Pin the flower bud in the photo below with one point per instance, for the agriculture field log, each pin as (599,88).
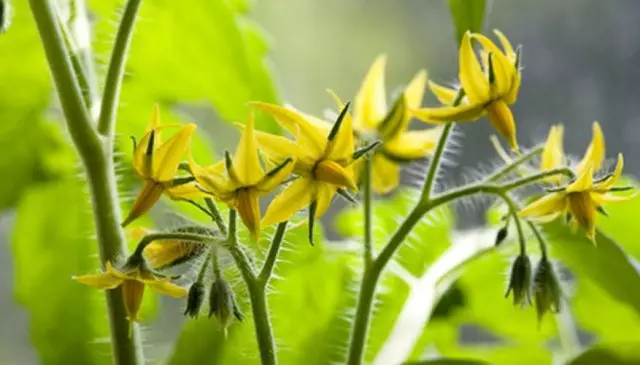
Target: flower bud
(222,303)
(501,235)
(195,299)
(546,289)
(520,280)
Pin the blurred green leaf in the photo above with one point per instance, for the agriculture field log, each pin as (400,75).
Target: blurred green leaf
(467,16)
(620,353)
(605,263)
(51,243)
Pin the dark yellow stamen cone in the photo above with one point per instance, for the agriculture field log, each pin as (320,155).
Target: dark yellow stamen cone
(249,210)
(501,119)
(151,192)
(333,173)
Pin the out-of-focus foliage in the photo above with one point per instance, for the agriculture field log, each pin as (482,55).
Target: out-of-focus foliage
(467,16)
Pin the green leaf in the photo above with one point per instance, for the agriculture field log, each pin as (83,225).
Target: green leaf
(467,16)
(32,147)
(51,243)
(605,263)
(619,353)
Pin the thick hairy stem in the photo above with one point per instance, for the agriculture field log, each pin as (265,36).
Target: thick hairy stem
(257,295)
(108,111)
(367,205)
(126,345)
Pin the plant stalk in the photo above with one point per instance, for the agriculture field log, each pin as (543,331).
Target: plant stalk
(98,165)
(367,205)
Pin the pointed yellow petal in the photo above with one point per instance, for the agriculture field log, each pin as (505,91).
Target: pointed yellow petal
(444,95)
(246,161)
(545,218)
(414,92)
(248,208)
(333,173)
(185,192)
(447,114)
(584,181)
(548,204)
(341,104)
(324,197)
(605,198)
(115,272)
(553,152)
(503,69)
(167,157)
(306,133)
(608,183)
(167,288)
(370,104)
(154,122)
(277,149)
(276,176)
(385,174)
(294,198)
(340,148)
(473,80)
(132,293)
(501,119)
(506,46)
(583,210)
(596,150)
(148,196)
(413,145)
(139,154)
(100,281)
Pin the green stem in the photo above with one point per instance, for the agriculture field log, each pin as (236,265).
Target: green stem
(513,211)
(205,265)
(215,263)
(98,165)
(113,83)
(368,202)
(216,216)
(506,170)
(272,255)
(257,295)
(435,162)
(541,241)
(531,179)
(372,275)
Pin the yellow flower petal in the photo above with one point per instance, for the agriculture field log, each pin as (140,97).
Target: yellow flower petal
(548,204)
(305,132)
(276,176)
(248,208)
(370,106)
(503,69)
(501,119)
(413,145)
(414,92)
(608,183)
(444,95)
(246,160)
(188,191)
(596,151)
(583,209)
(553,152)
(139,156)
(447,114)
(333,173)
(132,293)
(148,196)
(166,287)
(277,149)
(605,198)
(154,122)
(385,174)
(100,281)
(167,157)
(324,197)
(117,273)
(292,199)
(584,181)
(341,104)
(473,80)
(340,148)
(506,46)
(164,252)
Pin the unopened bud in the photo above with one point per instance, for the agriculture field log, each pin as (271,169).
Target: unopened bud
(520,280)
(194,300)
(222,303)
(501,235)
(546,289)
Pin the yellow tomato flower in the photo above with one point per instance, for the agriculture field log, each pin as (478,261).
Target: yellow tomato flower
(157,164)
(161,254)
(374,120)
(133,283)
(241,181)
(582,199)
(324,156)
(489,88)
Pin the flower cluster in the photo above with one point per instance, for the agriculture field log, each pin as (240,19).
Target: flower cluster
(318,160)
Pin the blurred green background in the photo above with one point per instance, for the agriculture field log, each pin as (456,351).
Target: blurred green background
(580,64)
